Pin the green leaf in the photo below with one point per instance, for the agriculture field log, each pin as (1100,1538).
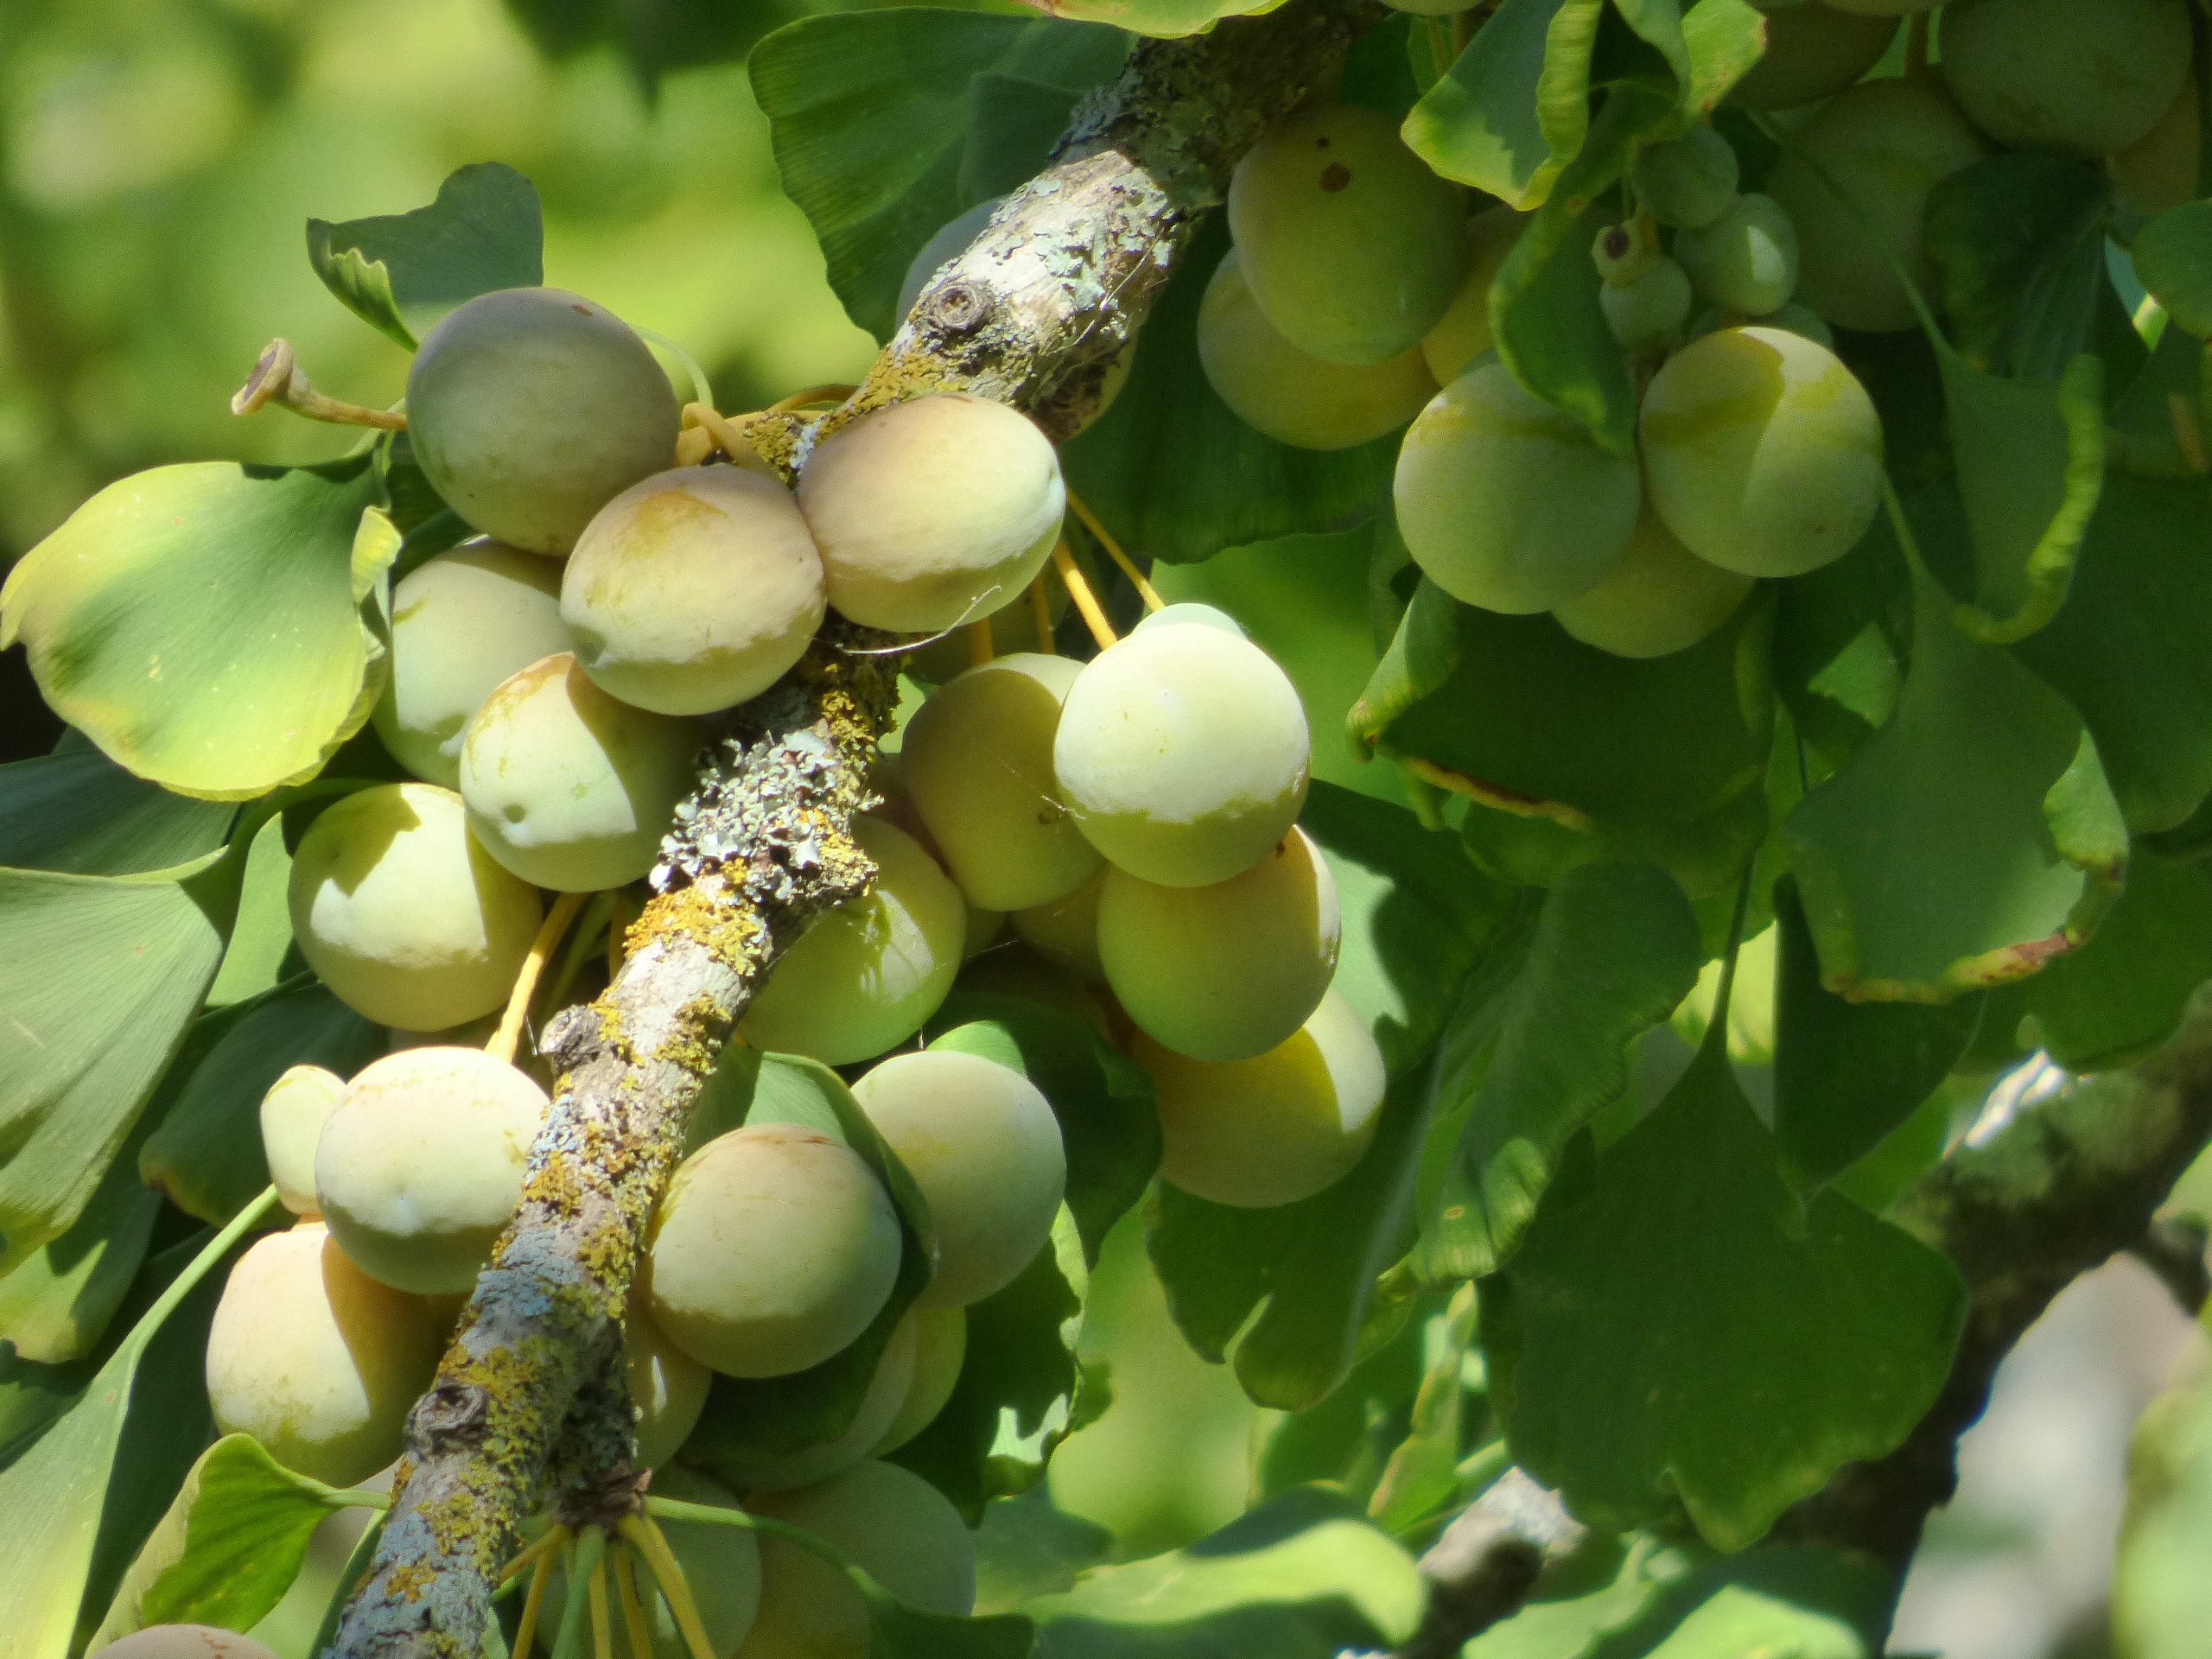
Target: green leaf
(1026,1547)
(54,1496)
(1971,840)
(2030,460)
(1102,1098)
(261,953)
(1614,948)
(1177,477)
(1599,1589)
(56,1304)
(2122,993)
(1740,1344)
(1845,1074)
(1515,107)
(2161,1596)
(229,1548)
(1422,1478)
(99,977)
(400,272)
(2173,257)
(210,627)
(2128,650)
(1301,1577)
(657,36)
(1803,1602)
(206,1156)
(75,809)
(1303,600)
(872,114)
(2000,233)
(1726,39)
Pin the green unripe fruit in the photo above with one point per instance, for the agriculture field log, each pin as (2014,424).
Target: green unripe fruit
(984,1147)
(940,1349)
(420,1166)
(316,1360)
(2160,170)
(1622,253)
(722,1568)
(293,1113)
(1813,51)
(667,1386)
(2080,79)
(1352,246)
(1885,146)
(950,239)
(570,788)
(1746,259)
(694,590)
(1463,333)
(898,1528)
(1184,754)
(529,410)
(752,1467)
(774,1248)
(1292,396)
(1686,181)
(1763,452)
(1662,598)
(401,912)
(184,1642)
(1507,503)
(461,623)
(1275,1129)
(932,513)
(1228,971)
(864,977)
(977,761)
(1647,314)
(1065,931)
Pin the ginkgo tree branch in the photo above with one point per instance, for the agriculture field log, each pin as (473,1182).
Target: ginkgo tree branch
(1034,314)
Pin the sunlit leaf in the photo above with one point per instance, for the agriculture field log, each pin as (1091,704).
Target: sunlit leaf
(1422,1477)
(400,272)
(211,626)
(1515,107)
(55,1304)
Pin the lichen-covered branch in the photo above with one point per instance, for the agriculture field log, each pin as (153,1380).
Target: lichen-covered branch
(527,1400)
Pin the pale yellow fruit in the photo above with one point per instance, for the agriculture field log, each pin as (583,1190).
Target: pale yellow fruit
(184,1642)
(462,622)
(1507,503)
(866,975)
(1275,1129)
(1290,395)
(569,787)
(403,915)
(1463,333)
(420,1168)
(314,1359)
(1855,180)
(754,1469)
(1065,931)
(984,1147)
(977,762)
(940,1349)
(1762,451)
(1813,50)
(693,590)
(667,1386)
(1352,246)
(1223,972)
(2084,79)
(1184,754)
(292,1116)
(898,1528)
(932,513)
(774,1248)
(1662,598)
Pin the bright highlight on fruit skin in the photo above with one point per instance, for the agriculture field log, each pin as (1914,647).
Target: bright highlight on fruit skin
(984,1147)
(773,1248)
(462,622)
(1184,754)
(1272,1130)
(420,1166)
(694,590)
(530,408)
(1352,246)
(403,914)
(1223,972)
(931,512)
(1763,452)
(1507,503)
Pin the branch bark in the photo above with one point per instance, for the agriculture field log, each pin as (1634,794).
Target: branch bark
(1488,1561)
(1034,314)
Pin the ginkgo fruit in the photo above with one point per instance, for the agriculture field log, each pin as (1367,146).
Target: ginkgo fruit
(1463,333)
(293,1112)
(1687,180)
(752,1466)
(1662,598)
(940,1349)
(667,1386)
(2060,75)
(183,1642)
(1746,259)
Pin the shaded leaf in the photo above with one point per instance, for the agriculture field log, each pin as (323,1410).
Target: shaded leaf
(657,36)
(1422,1478)
(211,626)
(1739,1344)
(1803,1602)
(400,272)
(1026,1547)
(261,953)
(1999,233)
(75,809)
(2122,993)
(2173,257)
(1162,18)
(1971,840)
(56,1304)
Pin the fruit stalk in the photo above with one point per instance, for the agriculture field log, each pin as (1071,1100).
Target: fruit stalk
(1034,315)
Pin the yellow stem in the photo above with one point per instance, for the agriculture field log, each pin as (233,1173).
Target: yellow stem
(1040,609)
(834,392)
(634,1606)
(550,1539)
(1079,586)
(535,1597)
(508,1037)
(980,649)
(602,1638)
(728,434)
(1089,519)
(640,1531)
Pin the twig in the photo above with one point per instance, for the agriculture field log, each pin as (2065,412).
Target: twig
(1483,1567)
